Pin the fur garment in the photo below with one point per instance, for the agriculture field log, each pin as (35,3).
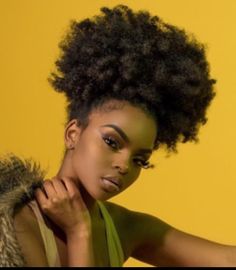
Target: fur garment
(18,180)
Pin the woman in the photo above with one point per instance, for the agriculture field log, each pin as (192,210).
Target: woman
(133,84)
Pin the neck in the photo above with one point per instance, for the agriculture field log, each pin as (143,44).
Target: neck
(66,171)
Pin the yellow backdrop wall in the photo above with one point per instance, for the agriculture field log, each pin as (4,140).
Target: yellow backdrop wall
(193,190)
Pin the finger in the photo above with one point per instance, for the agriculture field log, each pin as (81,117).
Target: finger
(49,188)
(74,193)
(70,186)
(59,187)
(40,197)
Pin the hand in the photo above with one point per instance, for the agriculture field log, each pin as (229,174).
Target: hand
(61,201)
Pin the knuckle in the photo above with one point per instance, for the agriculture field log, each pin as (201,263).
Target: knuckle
(55,179)
(47,182)
(59,200)
(54,200)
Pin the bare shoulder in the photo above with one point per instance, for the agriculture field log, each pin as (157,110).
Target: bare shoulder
(151,240)
(136,228)
(29,237)
(25,217)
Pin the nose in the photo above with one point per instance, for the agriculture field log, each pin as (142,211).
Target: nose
(122,165)
(122,169)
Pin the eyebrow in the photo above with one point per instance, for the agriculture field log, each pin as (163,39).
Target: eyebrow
(126,138)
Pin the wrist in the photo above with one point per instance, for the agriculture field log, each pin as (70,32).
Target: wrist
(79,231)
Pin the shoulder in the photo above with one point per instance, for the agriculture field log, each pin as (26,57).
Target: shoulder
(24,217)
(153,241)
(29,237)
(136,228)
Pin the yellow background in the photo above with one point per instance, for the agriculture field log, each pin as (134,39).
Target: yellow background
(193,190)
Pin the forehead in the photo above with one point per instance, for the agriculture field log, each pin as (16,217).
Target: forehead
(137,124)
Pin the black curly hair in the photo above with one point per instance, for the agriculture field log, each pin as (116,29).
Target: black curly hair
(136,57)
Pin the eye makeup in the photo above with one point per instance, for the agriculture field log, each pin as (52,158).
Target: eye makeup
(115,145)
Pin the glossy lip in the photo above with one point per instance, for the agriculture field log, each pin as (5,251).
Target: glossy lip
(114,180)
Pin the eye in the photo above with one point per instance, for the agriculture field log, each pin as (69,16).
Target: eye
(144,164)
(115,146)
(111,142)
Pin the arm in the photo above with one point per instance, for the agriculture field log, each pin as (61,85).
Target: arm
(80,248)
(63,204)
(160,244)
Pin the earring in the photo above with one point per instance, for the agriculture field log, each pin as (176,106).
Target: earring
(70,147)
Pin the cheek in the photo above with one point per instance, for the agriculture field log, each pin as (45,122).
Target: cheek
(91,156)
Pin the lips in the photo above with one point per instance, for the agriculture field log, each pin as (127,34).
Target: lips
(114,180)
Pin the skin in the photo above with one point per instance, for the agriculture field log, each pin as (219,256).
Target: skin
(69,200)
(92,158)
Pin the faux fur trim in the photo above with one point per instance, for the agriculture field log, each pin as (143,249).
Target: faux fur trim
(18,180)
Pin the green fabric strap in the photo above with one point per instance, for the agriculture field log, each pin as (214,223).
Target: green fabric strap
(114,246)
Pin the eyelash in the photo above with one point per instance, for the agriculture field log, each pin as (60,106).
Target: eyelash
(145,164)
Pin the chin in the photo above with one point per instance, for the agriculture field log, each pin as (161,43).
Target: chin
(101,195)
(98,192)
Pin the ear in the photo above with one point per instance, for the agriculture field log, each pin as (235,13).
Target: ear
(72,134)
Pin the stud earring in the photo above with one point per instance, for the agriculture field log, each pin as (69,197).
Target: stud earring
(70,147)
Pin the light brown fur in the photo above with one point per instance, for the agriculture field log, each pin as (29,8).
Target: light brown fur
(18,180)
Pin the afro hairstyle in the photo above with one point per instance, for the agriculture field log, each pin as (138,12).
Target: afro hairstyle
(135,57)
